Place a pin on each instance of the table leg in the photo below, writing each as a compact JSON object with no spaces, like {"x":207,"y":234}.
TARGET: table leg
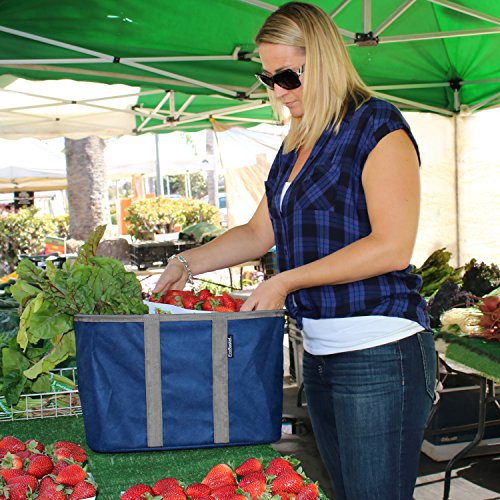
{"x":474,"y":442}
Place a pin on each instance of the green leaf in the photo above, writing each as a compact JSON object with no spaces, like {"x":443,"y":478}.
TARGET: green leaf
{"x":47,"y":322}
{"x":13,"y":360}
{"x":32,"y":306}
{"x":90,"y":246}
{"x":23,"y":291}
{"x":13,"y":386}
{"x":42,"y":384}
{"x":64,"y":347}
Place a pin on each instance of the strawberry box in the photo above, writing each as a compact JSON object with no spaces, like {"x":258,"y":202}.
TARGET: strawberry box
{"x":164,"y":382}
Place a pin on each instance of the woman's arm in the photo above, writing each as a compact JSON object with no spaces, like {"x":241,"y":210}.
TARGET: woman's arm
{"x":391,"y":183}
{"x":237,"y":245}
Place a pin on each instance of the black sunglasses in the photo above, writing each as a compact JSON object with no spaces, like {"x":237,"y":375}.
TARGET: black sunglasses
{"x":286,"y":79}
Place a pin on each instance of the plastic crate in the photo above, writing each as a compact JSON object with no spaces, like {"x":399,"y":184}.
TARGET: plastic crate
{"x":156,"y":253}
{"x":62,"y":401}
{"x":41,"y":260}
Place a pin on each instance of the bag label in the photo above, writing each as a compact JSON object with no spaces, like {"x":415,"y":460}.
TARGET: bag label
{"x":229,"y":346}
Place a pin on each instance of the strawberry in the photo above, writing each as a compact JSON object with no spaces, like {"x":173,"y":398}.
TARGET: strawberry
{"x":218,"y":476}
{"x":248,"y":466}
{"x":62,"y":464}
{"x":197,"y":490}
{"x":191,"y":302}
{"x":82,"y":490}
{"x":174,"y":495}
{"x":12,"y":444}
{"x":40,"y":466}
{"x":69,"y":454}
{"x":155,"y":297}
{"x":164,"y":485}
{"x":224,"y":309}
{"x":12,"y":461}
{"x":255,"y":488}
{"x":239,"y":303}
{"x":55,"y":495}
{"x":308,"y":492}
{"x":136,"y":492}
{"x":288,"y":481}
{"x":228,"y":301}
{"x":49,"y":489}
{"x":253,"y":476}
{"x":204,"y":294}
{"x":283,"y":495}
{"x":277,"y":466}
{"x":8,"y":473}
{"x":19,"y":492}
{"x":34,"y":445}
{"x":69,"y":445}
{"x":223,"y":493}
{"x":239,"y":497}
{"x":71,"y":475}
{"x":28,"y":480}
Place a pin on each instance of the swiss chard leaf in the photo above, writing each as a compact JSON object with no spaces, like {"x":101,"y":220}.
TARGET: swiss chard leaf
{"x":48,"y":322}
{"x":89,"y":248}
{"x":13,"y":386}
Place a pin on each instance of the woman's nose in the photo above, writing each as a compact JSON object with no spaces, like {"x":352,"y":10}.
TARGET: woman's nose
{"x":279,"y":91}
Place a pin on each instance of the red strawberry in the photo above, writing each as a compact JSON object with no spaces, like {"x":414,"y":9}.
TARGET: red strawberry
{"x":136,"y":491}
{"x":253,"y":476}
{"x":308,"y":492}
{"x":12,"y":461}
{"x":204,"y":294}
{"x":23,"y":454}
{"x":62,"y":464}
{"x":191,"y":302}
{"x":53,"y":495}
{"x":35,"y":445}
{"x":164,"y":485}
{"x":69,"y":454}
{"x":277,"y":466}
{"x":283,"y":495}
{"x":254,"y":488}
{"x":71,"y":475}
{"x":8,"y":473}
{"x":40,"y":466}
{"x":224,"y":493}
{"x":28,"y":480}
{"x":12,"y":444}
{"x":218,"y":476}
{"x":224,"y":309}
{"x":210,"y":304}
{"x":228,"y":301}
{"x":248,"y":466}
{"x":70,"y":446}
{"x":198,"y":490}
{"x":239,"y":303}
{"x":19,"y":491}
{"x":47,"y":483}
{"x":239,"y":497}
{"x":288,"y":481}
{"x":82,"y":490}
{"x":174,"y":495}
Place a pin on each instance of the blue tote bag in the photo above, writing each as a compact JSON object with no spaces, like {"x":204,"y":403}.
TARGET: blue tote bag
{"x":180,"y":381}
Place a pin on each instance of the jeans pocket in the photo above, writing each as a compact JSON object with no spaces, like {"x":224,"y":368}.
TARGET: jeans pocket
{"x":428,"y":350}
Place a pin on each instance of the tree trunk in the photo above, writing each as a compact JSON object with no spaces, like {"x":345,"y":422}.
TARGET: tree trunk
{"x":88,"y":201}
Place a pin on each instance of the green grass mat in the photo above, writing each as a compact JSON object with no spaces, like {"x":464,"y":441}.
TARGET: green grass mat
{"x":115,"y":472}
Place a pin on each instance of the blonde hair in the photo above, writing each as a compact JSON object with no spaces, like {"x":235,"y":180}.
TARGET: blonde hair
{"x":330,"y":79}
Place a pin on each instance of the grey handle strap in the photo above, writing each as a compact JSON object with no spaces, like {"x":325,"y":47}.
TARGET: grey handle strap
{"x":220,"y":391}
{"x":152,"y":371}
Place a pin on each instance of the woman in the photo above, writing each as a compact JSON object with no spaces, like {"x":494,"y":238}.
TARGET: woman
{"x":342,"y":207}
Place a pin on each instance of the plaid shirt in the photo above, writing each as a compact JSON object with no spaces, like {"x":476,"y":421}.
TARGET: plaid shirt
{"x":325,"y":210}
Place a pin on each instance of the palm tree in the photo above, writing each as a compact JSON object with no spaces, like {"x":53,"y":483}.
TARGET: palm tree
{"x":88,"y":201}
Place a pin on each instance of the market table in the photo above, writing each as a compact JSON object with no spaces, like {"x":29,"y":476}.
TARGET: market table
{"x":481,"y":359}
{"x":115,"y":472}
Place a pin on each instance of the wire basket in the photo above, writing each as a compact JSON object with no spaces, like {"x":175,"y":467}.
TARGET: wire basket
{"x":62,"y":401}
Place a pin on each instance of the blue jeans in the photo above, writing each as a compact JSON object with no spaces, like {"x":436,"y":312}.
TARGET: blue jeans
{"x":368,"y":409}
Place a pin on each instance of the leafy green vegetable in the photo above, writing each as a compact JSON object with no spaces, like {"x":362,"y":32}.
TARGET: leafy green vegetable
{"x":49,"y":300}
{"x":479,"y":278}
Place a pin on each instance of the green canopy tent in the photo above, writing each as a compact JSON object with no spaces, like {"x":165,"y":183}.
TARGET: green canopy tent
{"x":194,"y":60}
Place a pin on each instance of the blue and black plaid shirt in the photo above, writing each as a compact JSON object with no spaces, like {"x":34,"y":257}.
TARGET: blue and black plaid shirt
{"x":324,"y":210}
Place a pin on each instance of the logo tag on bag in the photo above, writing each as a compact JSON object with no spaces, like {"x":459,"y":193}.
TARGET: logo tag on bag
{"x":229,"y":346}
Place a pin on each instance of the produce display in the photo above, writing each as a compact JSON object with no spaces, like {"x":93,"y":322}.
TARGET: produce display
{"x":32,"y":470}
{"x":203,"y":300}
{"x":279,"y":480}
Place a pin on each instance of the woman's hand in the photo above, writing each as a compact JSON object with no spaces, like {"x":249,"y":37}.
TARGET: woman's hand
{"x":270,"y":294}
{"x":173,"y":278}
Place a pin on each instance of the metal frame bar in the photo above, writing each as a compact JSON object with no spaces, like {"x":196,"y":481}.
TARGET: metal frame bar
{"x":484,"y":102}
{"x":466,"y":10}
{"x":165,"y":98}
{"x":367,"y":16}
{"x":397,"y":13}
{"x":261,"y":5}
{"x":108,"y":58}
{"x":438,"y":35}
{"x":414,"y":104}
{"x":340,"y":8}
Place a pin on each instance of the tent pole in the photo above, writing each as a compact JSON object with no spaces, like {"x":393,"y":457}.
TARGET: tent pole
{"x":457,"y":190}
{"x":159,"y":180}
